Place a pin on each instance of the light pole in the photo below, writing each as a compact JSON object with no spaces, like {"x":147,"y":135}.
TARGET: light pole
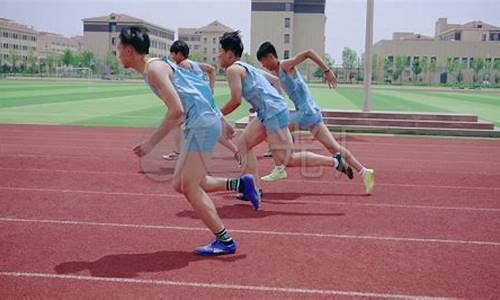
{"x":367,"y":106}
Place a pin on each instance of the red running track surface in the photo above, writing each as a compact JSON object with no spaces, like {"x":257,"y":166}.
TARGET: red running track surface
{"x":78,"y":219}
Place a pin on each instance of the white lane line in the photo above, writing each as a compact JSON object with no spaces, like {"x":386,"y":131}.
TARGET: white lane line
{"x":132,"y":173}
{"x":259,"y":288}
{"x":334,"y":181}
{"x":115,"y":157}
{"x":143,"y":195}
{"x":132,"y":133}
{"x":299,"y":148}
{"x":258,"y":232}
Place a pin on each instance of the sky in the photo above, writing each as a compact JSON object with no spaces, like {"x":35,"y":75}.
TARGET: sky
{"x":345,"y":25}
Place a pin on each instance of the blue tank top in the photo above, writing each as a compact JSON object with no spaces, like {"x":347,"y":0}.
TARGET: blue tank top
{"x":298,"y":91}
{"x":195,"y":95}
{"x":196,"y":69}
{"x":263,"y":97}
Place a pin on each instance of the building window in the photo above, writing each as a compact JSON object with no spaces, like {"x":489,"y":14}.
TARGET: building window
{"x":465,"y":61}
{"x":205,"y":50}
{"x":458,"y":36}
{"x":408,"y":61}
{"x":25,"y":37}
{"x":286,"y":54}
{"x":495,"y":36}
{"x":213,"y":51}
{"x":113,"y":41}
{"x":25,"y":48}
{"x":6,"y":46}
{"x":433,"y":60}
{"x":196,"y":47}
{"x":205,"y":59}
{"x":214,"y":40}
{"x":287,"y":38}
{"x":488,"y":62}
{"x":15,"y":36}
{"x":213,"y":59}
{"x":287,"y":22}
{"x":204,"y":40}
{"x":390,"y":60}
{"x":483,"y":37}
{"x":5,"y":34}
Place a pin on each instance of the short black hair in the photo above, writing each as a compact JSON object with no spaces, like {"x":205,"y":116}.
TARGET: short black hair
{"x":265,"y":49}
{"x":180,"y":46}
{"x":137,"y":37}
{"x":231,"y":41}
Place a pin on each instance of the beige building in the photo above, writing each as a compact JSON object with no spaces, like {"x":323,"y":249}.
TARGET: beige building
{"x":462,"y":43}
{"x":291,"y":25}
{"x":18,"y":39}
{"x":205,"y":40}
{"x":57,"y":44}
{"x":100,"y":35}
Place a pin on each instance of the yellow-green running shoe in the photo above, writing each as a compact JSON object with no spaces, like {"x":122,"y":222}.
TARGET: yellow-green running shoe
{"x":276,"y":174}
{"x":369,"y":180}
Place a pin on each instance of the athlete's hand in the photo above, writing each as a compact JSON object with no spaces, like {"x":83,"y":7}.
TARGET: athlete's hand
{"x":331,"y":79}
{"x":228,"y":131}
{"x":143,"y":148}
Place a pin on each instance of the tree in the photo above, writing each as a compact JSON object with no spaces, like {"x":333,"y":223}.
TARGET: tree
{"x":478,"y":65}
{"x":196,"y":56}
{"x":454,"y":68}
{"x":50,"y":61}
{"x":32,"y":61}
{"x":112,"y":62}
{"x":349,"y":58}
{"x":13,"y":57}
{"x":424,"y":64}
{"x":319,"y":73}
{"x":399,"y":67}
{"x":68,"y":59}
{"x":85,"y":59}
{"x":247,"y":58}
{"x":416,"y":68}
{"x":377,"y":63}
{"x":388,"y":69}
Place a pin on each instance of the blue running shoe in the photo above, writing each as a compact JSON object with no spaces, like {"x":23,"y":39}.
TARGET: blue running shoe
{"x":247,"y":187}
{"x":216,"y":248}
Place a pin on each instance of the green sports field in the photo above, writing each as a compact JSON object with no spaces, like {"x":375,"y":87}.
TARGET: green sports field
{"x":134,"y":105}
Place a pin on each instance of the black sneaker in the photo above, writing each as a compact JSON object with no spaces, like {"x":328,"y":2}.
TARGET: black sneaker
{"x":344,"y":167}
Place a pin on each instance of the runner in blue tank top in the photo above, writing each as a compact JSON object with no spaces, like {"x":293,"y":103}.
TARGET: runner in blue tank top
{"x":187,"y":98}
{"x":307,"y":115}
{"x":179,"y":52}
{"x":271,"y":124}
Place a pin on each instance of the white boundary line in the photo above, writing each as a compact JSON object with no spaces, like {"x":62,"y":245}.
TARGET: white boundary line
{"x":92,"y":132}
{"x":259,"y":288}
{"x":258,"y":232}
{"x":178,"y":196}
{"x":131,"y":142}
{"x":132,"y":173}
{"x":127,"y":157}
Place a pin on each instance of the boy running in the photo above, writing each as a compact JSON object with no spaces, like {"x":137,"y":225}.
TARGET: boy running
{"x":271,"y":123}
{"x":308,"y":115}
{"x":179,"y":52}
{"x":187,"y":100}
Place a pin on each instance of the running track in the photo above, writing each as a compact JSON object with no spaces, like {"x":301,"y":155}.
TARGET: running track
{"x":79,"y":220}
